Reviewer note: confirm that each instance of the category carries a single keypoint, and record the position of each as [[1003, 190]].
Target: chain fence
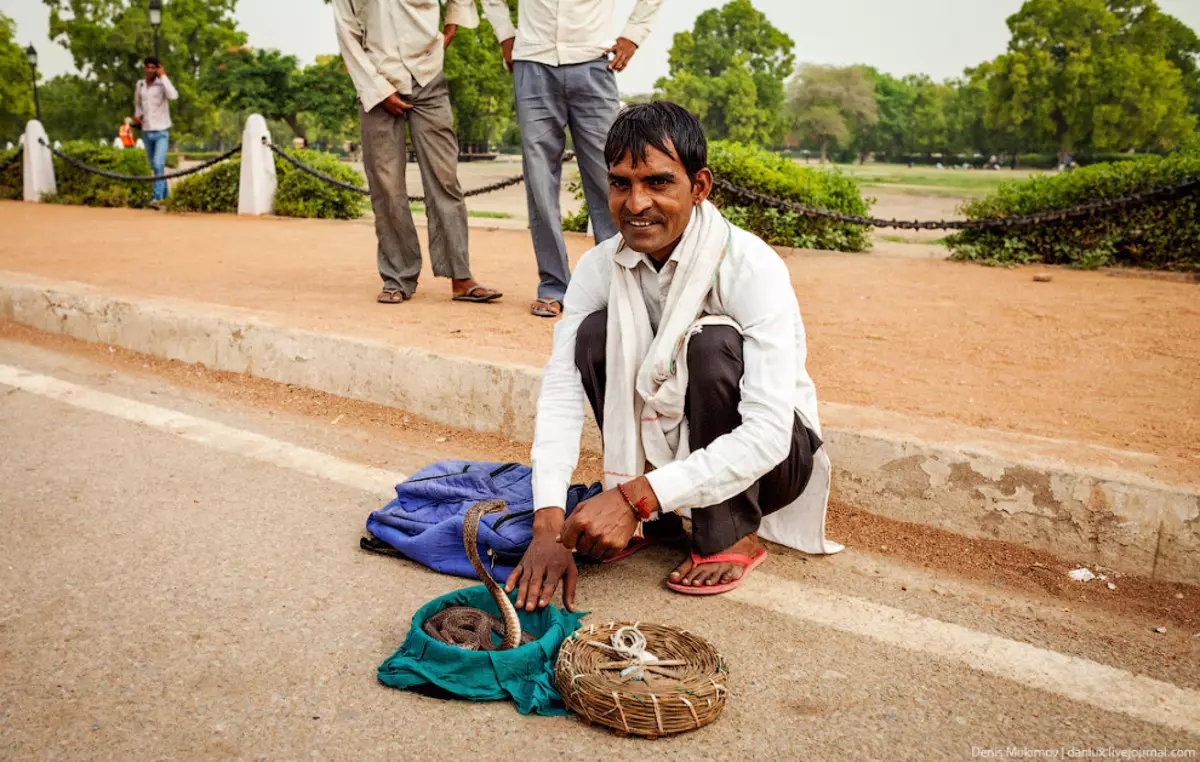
[[507, 182], [1174, 190], [140, 178], [737, 193], [11, 160]]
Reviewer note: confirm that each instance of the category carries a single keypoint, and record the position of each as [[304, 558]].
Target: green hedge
[[761, 170], [1161, 235], [76, 186], [298, 194], [301, 195], [12, 180], [213, 190]]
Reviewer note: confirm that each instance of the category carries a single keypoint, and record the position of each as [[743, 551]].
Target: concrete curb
[[1080, 501]]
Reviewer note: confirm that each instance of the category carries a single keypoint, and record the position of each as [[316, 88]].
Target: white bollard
[[140, 144], [39, 163], [117, 143], [9, 146], [58, 144], [256, 192]]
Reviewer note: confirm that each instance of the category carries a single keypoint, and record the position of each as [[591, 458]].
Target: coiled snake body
[[468, 627]]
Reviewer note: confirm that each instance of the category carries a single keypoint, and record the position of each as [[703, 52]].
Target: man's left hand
[[448, 32], [622, 52], [600, 527]]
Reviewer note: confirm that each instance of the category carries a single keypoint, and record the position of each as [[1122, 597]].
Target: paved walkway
[[1112, 361]]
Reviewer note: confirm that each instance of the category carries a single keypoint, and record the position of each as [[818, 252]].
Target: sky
[[935, 37]]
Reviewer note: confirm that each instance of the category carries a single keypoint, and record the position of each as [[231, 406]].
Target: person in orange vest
[[126, 133]]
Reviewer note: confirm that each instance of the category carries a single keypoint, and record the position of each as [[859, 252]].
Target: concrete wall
[[1082, 502]]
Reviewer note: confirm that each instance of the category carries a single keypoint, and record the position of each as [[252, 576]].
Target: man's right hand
[[507, 48], [395, 105], [544, 565], [137, 120]]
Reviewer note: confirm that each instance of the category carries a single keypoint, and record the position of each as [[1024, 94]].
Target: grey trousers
[[431, 124], [549, 99], [715, 368]]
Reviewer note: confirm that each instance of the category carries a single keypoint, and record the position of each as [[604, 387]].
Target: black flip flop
[[488, 296]]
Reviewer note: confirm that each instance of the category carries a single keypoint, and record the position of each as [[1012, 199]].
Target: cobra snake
[[466, 626]]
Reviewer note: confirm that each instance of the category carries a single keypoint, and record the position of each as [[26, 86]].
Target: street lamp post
[[156, 21], [31, 56]]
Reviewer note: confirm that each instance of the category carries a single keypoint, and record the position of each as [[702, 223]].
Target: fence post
[[256, 193], [39, 163]]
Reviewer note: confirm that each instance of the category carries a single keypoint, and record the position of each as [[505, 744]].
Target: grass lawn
[[420, 209], [930, 181]]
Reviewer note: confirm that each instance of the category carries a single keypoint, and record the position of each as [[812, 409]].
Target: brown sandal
[[388, 296], [547, 307]]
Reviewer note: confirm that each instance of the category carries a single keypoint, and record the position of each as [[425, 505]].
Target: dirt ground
[[1112, 361]]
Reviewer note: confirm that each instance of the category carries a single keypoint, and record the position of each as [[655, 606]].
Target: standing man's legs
[[431, 122], [542, 116], [715, 367], [384, 159], [156, 142], [593, 106]]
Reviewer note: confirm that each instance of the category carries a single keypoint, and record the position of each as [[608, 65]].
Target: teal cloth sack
[[524, 674]]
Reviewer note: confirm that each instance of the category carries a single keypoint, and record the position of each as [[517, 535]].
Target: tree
[[1146, 27], [109, 38], [1074, 78], [325, 94], [73, 110], [730, 70], [258, 81], [929, 125], [481, 89], [16, 85], [828, 102]]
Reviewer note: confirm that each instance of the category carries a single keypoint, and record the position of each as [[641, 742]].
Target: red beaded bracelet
[[639, 507]]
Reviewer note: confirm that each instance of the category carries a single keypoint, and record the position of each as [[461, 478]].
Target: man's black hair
[[654, 125], [150, 61]]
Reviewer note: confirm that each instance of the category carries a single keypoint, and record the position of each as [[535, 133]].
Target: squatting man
[[684, 336]]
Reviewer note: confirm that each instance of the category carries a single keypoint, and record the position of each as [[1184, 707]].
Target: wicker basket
[[685, 693]]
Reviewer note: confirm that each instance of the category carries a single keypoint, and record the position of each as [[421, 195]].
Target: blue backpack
[[424, 522]]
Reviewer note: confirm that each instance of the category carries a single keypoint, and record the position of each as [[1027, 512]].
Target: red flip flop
[[748, 563]]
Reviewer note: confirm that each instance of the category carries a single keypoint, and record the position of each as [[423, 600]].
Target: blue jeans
[[156, 149], [549, 99]]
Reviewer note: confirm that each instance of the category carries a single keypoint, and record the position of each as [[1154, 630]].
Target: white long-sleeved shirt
[[388, 45], [152, 103], [754, 289], [565, 32]]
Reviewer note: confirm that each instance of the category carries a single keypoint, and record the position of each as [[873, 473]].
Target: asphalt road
[[180, 578]]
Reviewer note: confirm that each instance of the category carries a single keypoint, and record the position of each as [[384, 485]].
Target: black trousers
[[715, 370]]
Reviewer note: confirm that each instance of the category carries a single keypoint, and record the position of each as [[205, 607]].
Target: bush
[[12, 180], [214, 190], [578, 222], [298, 194], [1162, 234], [301, 195], [760, 170], [80, 187]]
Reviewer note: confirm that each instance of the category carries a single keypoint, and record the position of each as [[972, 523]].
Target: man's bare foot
[[720, 573], [469, 291]]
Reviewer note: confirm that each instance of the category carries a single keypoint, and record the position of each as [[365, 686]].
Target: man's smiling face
[[651, 199]]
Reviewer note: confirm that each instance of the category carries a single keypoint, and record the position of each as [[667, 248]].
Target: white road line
[[217, 435], [1088, 682]]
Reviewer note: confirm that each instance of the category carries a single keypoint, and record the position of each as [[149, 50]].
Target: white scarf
[[646, 385]]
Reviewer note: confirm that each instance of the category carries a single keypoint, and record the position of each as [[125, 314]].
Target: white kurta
[[753, 290]]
